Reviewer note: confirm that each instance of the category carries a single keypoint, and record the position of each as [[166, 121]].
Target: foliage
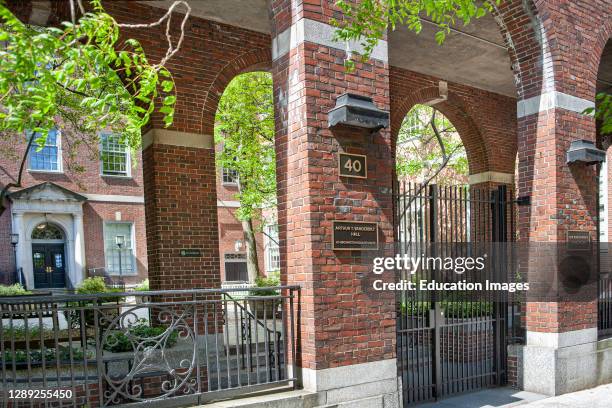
[[92, 285], [369, 21], [143, 286], [419, 154], [265, 283], [13, 290], [143, 334], [603, 112], [79, 67], [95, 285], [244, 126], [49, 354], [452, 309]]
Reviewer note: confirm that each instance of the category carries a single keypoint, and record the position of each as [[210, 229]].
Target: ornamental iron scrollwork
[[136, 349]]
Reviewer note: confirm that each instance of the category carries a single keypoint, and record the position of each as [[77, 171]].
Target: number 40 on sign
[[352, 165]]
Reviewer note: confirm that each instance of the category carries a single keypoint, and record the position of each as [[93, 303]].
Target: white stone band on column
[[175, 138], [316, 32], [551, 100], [491, 176]]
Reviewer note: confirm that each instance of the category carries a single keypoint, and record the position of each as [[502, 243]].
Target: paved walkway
[[600, 397]]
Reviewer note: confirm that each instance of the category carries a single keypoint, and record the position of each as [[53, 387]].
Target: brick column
[[561, 351], [347, 331], [181, 210]]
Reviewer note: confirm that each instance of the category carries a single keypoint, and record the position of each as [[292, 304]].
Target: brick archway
[[257, 59], [452, 108]]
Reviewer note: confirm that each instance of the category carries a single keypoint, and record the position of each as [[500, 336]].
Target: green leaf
[[167, 86]]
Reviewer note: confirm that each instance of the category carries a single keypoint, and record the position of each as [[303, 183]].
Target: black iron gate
[[455, 344]]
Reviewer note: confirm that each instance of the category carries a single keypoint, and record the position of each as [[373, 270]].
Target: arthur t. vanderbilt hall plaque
[[355, 235]]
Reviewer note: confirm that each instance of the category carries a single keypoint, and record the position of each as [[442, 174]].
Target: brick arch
[[259, 59], [453, 109], [517, 23], [603, 37]]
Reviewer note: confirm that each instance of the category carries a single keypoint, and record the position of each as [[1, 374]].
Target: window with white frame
[[114, 156], [49, 156], [119, 260], [230, 176], [271, 249]]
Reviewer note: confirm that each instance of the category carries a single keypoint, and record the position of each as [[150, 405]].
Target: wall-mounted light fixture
[[585, 152], [358, 111], [237, 245]]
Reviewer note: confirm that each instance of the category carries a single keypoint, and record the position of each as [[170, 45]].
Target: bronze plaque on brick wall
[[578, 240], [355, 235], [353, 165], [191, 253]]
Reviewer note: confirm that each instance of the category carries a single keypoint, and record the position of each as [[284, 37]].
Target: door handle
[[49, 269]]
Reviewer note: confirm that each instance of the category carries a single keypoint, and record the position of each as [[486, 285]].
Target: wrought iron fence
[[166, 348], [457, 342]]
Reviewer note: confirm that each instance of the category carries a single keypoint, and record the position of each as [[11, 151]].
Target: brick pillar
[[347, 331], [560, 355], [181, 210]]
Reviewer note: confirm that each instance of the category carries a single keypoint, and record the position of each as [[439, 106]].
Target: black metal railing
[[171, 348]]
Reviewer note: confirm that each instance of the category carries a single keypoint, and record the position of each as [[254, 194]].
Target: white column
[[19, 228], [78, 272]]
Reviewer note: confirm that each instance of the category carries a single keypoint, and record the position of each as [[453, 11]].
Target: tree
[[83, 74], [429, 148], [244, 126], [603, 113], [368, 21]]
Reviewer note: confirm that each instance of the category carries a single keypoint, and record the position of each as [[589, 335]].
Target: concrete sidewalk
[[600, 397]]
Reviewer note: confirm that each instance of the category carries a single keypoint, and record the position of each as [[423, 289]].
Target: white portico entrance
[[60, 252]]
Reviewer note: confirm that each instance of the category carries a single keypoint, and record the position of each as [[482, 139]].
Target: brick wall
[[230, 230], [181, 213], [94, 216], [562, 56], [343, 323], [485, 121], [81, 173]]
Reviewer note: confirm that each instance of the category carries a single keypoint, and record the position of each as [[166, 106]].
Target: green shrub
[[452, 309], [50, 355], [265, 282], [119, 342], [91, 286], [13, 290], [143, 286]]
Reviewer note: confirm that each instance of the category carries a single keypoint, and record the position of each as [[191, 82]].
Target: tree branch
[[168, 16], [7, 187], [445, 160]]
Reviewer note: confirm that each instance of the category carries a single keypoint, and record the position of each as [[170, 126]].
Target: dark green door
[[49, 266]]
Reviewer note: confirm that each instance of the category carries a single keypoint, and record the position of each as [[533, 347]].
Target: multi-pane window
[[47, 157], [230, 176], [119, 256], [114, 154], [272, 250]]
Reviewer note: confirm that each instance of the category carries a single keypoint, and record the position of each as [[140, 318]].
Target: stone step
[[287, 399]]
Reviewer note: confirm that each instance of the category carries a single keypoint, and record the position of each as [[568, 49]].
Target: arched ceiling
[[474, 55]]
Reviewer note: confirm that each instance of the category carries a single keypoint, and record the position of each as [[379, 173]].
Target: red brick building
[[68, 219], [104, 203], [514, 84]]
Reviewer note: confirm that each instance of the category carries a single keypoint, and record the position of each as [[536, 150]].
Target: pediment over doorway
[[47, 191]]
